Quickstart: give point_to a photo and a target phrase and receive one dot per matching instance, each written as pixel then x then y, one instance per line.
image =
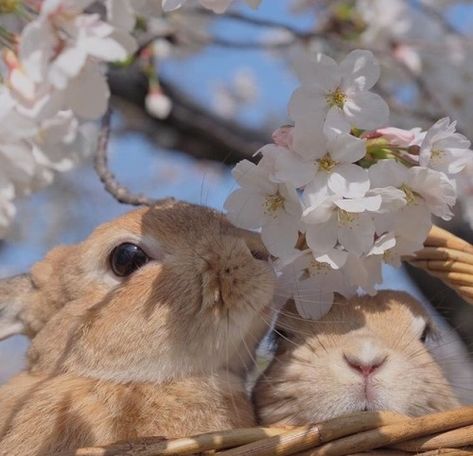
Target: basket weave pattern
pixel 450 259
pixel 378 433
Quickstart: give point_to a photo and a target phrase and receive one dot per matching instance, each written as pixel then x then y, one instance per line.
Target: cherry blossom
pixel 329 168
pixel 339 93
pixel 83 40
pixel 31 151
pixel 338 220
pixel 421 186
pixel 260 203
pixel 367 194
pixel 312 283
pixel 443 149
pixel 365 272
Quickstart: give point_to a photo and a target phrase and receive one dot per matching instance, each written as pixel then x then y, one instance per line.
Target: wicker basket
pixel 378 433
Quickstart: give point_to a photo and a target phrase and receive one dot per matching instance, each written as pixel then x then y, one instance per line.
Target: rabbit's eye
pixel 425 333
pixel 126 259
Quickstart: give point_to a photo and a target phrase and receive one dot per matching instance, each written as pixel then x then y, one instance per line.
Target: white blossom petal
pixel 247 174
pixel 387 173
pixel 435 188
pixel 322 237
pixel 317 192
pixel 280 236
pixel 360 70
pixel 392 199
pixel 92 82
pixel 245 209
pixel 335 258
pixel 307 103
pixel 319 72
pixel 366 110
pixel 336 122
pixel 357 236
pixel 365 272
pixel 357 205
pixel 383 243
pixel 309 141
pixel 347 148
pixel 350 181
pixel 37 48
pixel 312 301
pixel 289 168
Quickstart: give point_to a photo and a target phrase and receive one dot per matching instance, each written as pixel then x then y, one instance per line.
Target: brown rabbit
pixel 367 353
pixel 161 313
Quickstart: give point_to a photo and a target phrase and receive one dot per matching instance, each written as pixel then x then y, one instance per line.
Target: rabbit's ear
pixel 28 301
pixel 16 295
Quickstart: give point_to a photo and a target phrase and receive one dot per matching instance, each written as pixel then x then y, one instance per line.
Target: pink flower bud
pixel 397 136
pixel 283 136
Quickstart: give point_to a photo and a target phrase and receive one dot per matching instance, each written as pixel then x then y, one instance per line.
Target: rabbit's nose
pixel 365 367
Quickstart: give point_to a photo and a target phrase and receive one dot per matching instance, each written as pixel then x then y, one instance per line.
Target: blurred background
pixel 207 91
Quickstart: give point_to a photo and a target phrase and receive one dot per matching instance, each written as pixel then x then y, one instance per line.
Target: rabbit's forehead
pixel 163 224
pixel 397 319
pixel 387 318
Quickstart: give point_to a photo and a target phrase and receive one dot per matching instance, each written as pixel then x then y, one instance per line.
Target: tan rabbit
pixel 173 306
pixel 367 353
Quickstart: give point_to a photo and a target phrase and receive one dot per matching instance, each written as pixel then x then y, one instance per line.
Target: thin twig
pixel 112 186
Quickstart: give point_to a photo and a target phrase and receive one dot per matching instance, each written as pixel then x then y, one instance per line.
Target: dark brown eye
pixel 126 258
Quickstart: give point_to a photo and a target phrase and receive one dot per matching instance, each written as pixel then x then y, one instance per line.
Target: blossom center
pixel 345 218
pixel 316 267
pixel 8 6
pixel 327 163
pixel 336 98
pixel 273 203
pixel 409 193
pixel 436 154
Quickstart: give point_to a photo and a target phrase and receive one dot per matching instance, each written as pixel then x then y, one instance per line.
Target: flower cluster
pixel 340 192
pixel 53 81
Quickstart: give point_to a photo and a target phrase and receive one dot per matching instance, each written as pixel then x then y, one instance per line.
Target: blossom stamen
pixel 336 98
pixel 345 218
pixel 317 267
pixel 273 204
pixel 410 194
pixel 436 154
pixel 327 163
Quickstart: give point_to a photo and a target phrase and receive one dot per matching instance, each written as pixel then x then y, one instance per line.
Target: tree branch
pixel 190 127
pixel 112 186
